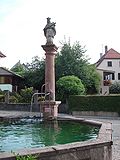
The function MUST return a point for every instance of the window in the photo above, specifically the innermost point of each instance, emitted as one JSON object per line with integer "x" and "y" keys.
{"x": 118, "y": 76}
{"x": 109, "y": 63}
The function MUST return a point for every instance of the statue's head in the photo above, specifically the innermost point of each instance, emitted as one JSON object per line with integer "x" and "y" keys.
{"x": 48, "y": 20}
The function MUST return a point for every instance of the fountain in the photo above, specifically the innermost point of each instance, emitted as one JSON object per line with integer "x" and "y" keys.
{"x": 50, "y": 106}
{"x": 98, "y": 148}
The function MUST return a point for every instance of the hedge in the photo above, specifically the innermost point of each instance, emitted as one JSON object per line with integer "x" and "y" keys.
{"x": 94, "y": 103}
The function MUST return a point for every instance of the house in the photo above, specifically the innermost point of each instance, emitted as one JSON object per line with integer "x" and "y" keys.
{"x": 9, "y": 80}
{"x": 108, "y": 66}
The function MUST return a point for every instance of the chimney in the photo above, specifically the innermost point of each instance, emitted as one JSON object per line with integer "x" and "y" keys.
{"x": 101, "y": 55}
{"x": 106, "y": 49}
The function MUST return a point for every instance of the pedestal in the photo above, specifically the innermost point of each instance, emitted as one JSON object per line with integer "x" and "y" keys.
{"x": 49, "y": 109}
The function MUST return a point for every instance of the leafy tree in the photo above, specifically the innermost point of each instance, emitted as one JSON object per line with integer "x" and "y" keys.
{"x": 115, "y": 88}
{"x": 35, "y": 76}
{"x": 19, "y": 68}
{"x": 69, "y": 85}
{"x": 71, "y": 60}
{"x": 35, "y": 64}
{"x": 91, "y": 79}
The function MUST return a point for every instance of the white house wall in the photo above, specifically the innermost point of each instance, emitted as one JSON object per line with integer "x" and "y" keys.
{"x": 115, "y": 67}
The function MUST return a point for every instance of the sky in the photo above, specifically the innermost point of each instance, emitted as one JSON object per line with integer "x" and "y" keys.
{"x": 94, "y": 23}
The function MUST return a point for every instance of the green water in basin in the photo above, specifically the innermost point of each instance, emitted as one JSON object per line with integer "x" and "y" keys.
{"x": 35, "y": 133}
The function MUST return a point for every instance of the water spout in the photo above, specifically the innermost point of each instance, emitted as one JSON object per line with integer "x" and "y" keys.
{"x": 41, "y": 94}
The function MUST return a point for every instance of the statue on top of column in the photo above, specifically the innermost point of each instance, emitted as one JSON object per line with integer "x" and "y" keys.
{"x": 49, "y": 31}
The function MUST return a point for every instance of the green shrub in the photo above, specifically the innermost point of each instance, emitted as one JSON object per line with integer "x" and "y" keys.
{"x": 2, "y": 97}
{"x": 13, "y": 99}
{"x": 42, "y": 98}
{"x": 69, "y": 85}
{"x": 94, "y": 103}
{"x": 115, "y": 88}
{"x": 26, "y": 95}
{"x": 27, "y": 157}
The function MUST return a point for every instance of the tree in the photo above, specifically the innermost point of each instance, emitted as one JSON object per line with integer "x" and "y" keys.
{"x": 71, "y": 60}
{"x": 91, "y": 79}
{"x": 35, "y": 64}
{"x": 19, "y": 68}
{"x": 36, "y": 74}
{"x": 69, "y": 85}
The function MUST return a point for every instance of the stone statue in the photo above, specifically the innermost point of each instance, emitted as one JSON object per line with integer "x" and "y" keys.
{"x": 49, "y": 31}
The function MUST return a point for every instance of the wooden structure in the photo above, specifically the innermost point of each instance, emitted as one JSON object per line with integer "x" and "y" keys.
{"x": 9, "y": 79}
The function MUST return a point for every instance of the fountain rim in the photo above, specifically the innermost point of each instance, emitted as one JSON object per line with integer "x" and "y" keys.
{"x": 104, "y": 138}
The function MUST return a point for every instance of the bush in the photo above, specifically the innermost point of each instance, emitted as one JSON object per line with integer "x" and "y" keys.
{"x": 13, "y": 99}
{"x": 24, "y": 96}
{"x": 2, "y": 98}
{"x": 27, "y": 157}
{"x": 115, "y": 88}
{"x": 94, "y": 103}
{"x": 69, "y": 85}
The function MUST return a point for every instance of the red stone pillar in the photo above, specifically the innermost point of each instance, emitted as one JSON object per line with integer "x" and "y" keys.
{"x": 50, "y": 52}
{"x": 50, "y": 106}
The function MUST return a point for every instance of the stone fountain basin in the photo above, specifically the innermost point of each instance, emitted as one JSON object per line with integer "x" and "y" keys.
{"x": 94, "y": 149}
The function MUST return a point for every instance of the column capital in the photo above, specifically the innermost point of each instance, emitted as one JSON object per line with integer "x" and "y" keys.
{"x": 50, "y": 48}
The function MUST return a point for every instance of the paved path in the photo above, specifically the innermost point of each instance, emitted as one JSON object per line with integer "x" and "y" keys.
{"x": 115, "y": 127}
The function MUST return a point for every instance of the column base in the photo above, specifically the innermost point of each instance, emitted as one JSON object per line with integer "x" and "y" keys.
{"x": 49, "y": 109}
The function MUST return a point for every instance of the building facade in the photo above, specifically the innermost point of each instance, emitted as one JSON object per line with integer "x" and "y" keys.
{"x": 9, "y": 80}
{"x": 108, "y": 66}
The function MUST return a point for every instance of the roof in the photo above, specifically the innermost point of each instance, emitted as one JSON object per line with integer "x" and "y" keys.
{"x": 6, "y": 72}
{"x": 18, "y": 64}
{"x": 110, "y": 54}
{"x": 2, "y": 55}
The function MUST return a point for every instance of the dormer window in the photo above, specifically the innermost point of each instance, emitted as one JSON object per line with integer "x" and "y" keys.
{"x": 109, "y": 63}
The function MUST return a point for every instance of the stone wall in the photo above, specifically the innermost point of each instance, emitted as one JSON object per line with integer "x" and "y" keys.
{"x": 19, "y": 107}
{"x": 63, "y": 108}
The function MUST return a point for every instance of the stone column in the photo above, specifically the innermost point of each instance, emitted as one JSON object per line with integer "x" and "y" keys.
{"x": 50, "y": 106}
{"x": 50, "y": 52}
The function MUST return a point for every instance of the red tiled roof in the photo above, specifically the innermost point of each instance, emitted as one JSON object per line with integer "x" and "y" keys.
{"x": 2, "y": 55}
{"x": 110, "y": 54}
